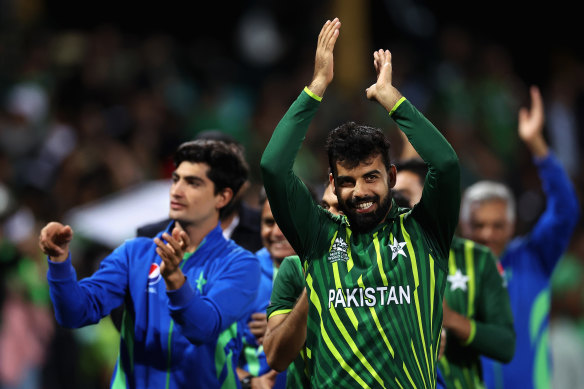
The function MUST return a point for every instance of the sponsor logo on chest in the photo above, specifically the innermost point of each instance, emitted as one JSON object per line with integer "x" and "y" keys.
{"x": 154, "y": 277}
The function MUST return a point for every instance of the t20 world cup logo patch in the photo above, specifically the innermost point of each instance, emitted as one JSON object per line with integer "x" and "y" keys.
{"x": 153, "y": 277}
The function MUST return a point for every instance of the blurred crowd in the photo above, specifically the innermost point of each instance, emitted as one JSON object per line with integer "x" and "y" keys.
{"x": 88, "y": 113}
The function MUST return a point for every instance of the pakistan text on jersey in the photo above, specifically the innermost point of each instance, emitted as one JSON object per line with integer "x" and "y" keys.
{"x": 369, "y": 297}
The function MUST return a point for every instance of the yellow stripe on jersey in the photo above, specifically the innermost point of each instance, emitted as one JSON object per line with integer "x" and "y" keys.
{"x": 417, "y": 362}
{"x": 350, "y": 262}
{"x": 414, "y": 260}
{"x": 377, "y": 322}
{"x": 437, "y": 351}
{"x": 379, "y": 259}
{"x": 332, "y": 241}
{"x": 470, "y": 272}
{"x": 445, "y": 366}
{"x": 354, "y": 347}
{"x": 338, "y": 285}
{"x": 432, "y": 286}
{"x": 397, "y": 382}
{"x": 408, "y": 374}
{"x": 451, "y": 263}
{"x": 280, "y": 312}
{"x": 315, "y": 301}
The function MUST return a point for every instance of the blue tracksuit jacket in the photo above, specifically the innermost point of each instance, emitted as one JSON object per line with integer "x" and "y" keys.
{"x": 190, "y": 337}
{"x": 528, "y": 263}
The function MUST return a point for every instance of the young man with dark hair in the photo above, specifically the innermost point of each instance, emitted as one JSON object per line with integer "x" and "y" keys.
{"x": 185, "y": 291}
{"x": 477, "y": 311}
{"x": 239, "y": 221}
{"x": 375, "y": 276}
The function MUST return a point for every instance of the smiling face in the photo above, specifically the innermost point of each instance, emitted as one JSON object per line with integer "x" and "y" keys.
{"x": 364, "y": 192}
{"x": 193, "y": 200}
{"x": 272, "y": 237}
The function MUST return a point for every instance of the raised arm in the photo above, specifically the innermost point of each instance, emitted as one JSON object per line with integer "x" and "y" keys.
{"x": 553, "y": 230}
{"x": 291, "y": 202}
{"x": 439, "y": 207}
{"x": 85, "y": 302}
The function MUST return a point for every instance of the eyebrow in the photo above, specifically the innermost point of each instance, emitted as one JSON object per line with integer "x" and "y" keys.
{"x": 346, "y": 178}
{"x": 189, "y": 178}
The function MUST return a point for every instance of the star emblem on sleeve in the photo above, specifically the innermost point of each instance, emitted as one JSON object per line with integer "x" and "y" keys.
{"x": 397, "y": 248}
{"x": 457, "y": 281}
{"x": 201, "y": 282}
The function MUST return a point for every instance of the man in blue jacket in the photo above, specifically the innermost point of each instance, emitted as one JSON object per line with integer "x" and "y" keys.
{"x": 487, "y": 216}
{"x": 185, "y": 291}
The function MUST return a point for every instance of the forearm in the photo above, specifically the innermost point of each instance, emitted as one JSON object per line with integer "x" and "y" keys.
{"x": 425, "y": 138}
{"x": 77, "y": 304}
{"x": 439, "y": 207}
{"x": 560, "y": 194}
{"x": 458, "y": 325}
{"x": 204, "y": 316}
{"x": 198, "y": 317}
{"x": 283, "y": 343}
{"x": 290, "y": 200}
{"x": 495, "y": 341}
{"x": 538, "y": 147}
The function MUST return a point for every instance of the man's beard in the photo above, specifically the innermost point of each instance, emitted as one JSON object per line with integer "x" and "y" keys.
{"x": 365, "y": 222}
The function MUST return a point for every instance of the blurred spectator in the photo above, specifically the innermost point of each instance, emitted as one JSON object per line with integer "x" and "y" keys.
{"x": 567, "y": 316}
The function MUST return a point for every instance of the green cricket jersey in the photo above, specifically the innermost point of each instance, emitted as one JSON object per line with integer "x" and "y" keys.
{"x": 375, "y": 298}
{"x": 476, "y": 289}
{"x": 288, "y": 286}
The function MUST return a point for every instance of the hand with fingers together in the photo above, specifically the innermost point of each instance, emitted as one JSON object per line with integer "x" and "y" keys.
{"x": 172, "y": 253}
{"x": 324, "y": 59}
{"x": 383, "y": 90}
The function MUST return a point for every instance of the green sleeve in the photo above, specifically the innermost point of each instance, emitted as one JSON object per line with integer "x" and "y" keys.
{"x": 438, "y": 209}
{"x": 288, "y": 286}
{"x": 494, "y": 334}
{"x": 294, "y": 209}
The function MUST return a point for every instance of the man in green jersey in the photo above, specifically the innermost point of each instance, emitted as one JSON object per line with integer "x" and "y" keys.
{"x": 284, "y": 341}
{"x": 477, "y": 310}
{"x": 375, "y": 276}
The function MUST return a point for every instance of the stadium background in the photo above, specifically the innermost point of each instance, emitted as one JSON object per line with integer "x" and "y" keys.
{"x": 95, "y": 96}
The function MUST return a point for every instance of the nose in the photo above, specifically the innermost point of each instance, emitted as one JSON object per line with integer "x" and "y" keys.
{"x": 176, "y": 189}
{"x": 486, "y": 234}
{"x": 360, "y": 190}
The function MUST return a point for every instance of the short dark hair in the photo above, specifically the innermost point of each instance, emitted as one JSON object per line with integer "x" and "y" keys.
{"x": 351, "y": 144}
{"x": 227, "y": 165}
{"x": 414, "y": 165}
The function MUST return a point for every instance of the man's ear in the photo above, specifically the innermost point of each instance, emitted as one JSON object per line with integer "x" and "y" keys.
{"x": 392, "y": 175}
{"x": 332, "y": 182}
{"x": 223, "y": 197}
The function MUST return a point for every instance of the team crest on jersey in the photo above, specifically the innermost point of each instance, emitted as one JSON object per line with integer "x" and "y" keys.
{"x": 338, "y": 251}
{"x": 397, "y": 248}
{"x": 154, "y": 277}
